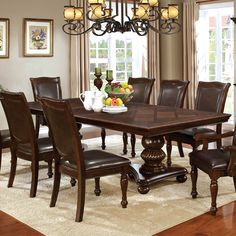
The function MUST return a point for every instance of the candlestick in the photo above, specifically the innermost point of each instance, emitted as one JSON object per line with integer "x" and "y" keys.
{"x": 98, "y": 71}
{"x": 98, "y": 81}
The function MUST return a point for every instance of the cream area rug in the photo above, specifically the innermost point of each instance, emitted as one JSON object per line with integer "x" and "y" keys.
{"x": 168, "y": 203}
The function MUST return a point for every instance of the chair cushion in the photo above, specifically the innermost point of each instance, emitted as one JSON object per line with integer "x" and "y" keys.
{"x": 44, "y": 146}
{"x": 96, "y": 159}
{"x": 208, "y": 160}
{"x": 192, "y": 131}
{"x": 5, "y": 136}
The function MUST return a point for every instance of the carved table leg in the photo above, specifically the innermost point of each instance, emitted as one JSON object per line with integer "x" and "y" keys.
{"x": 153, "y": 169}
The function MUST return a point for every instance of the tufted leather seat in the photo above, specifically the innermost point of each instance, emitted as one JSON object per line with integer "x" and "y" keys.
{"x": 211, "y": 96}
{"x": 73, "y": 161}
{"x": 5, "y": 142}
{"x": 24, "y": 144}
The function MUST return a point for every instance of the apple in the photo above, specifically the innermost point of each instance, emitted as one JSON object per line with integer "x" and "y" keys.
{"x": 114, "y": 102}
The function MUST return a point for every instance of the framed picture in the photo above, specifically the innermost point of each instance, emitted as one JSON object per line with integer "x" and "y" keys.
{"x": 4, "y": 37}
{"x": 38, "y": 37}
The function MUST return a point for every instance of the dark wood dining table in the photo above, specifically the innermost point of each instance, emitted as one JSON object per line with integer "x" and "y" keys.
{"x": 152, "y": 123}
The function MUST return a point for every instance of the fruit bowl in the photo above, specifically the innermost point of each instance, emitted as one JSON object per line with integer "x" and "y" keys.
{"x": 125, "y": 97}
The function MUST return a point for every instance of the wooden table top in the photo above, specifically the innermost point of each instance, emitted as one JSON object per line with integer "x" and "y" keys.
{"x": 146, "y": 120}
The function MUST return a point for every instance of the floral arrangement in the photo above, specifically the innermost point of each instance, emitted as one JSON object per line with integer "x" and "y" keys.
{"x": 38, "y": 38}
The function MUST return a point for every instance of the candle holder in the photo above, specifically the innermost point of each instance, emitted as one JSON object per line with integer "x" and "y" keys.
{"x": 109, "y": 80}
{"x": 98, "y": 81}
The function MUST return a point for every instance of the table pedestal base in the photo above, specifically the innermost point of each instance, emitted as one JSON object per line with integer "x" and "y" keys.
{"x": 144, "y": 181}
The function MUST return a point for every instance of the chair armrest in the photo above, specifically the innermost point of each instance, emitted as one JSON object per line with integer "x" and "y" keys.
{"x": 210, "y": 136}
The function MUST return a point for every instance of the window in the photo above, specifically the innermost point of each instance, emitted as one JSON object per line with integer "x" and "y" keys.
{"x": 125, "y": 54}
{"x": 215, "y": 41}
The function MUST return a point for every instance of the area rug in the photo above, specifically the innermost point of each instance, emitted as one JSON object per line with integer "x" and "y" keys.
{"x": 168, "y": 203}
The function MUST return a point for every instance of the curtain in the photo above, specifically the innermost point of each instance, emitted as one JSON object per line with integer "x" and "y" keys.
{"x": 190, "y": 13}
{"x": 79, "y": 61}
{"x": 153, "y": 61}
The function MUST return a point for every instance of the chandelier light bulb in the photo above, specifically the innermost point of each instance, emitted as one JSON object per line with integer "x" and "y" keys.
{"x": 78, "y": 13}
{"x": 173, "y": 11}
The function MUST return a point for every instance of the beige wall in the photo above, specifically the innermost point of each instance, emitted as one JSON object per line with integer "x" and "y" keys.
{"x": 16, "y": 71}
{"x": 171, "y": 51}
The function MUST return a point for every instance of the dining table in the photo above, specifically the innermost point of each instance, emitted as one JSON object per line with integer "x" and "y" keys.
{"x": 152, "y": 123}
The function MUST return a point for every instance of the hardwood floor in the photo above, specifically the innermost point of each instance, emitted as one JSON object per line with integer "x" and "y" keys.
{"x": 205, "y": 225}
{"x": 9, "y": 226}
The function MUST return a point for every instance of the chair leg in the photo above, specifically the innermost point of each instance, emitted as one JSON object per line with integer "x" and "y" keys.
{"x": 133, "y": 141}
{"x": 97, "y": 189}
{"x": 103, "y": 136}
{"x": 125, "y": 141}
{"x": 214, "y": 191}
{"x": 180, "y": 147}
{"x": 50, "y": 173}
{"x": 34, "y": 181}
{"x": 56, "y": 184}
{"x": 124, "y": 186}
{"x": 194, "y": 175}
{"x": 234, "y": 178}
{"x": 13, "y": 169}
{"x": 37, "y": 125}
{"x": 168, "y": 150}
{"x": 80, "y": 200}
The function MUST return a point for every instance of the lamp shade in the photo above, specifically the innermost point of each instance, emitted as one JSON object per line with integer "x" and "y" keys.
{"x": 78, "y": 13}
{"x": 143, "y": 11}
{"x": 69, "y": 13}
{"x": 173, "y": 11}
{"x": 96, "y": 11}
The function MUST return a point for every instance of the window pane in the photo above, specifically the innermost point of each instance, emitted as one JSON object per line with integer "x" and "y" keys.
{"x": 93, "y": 53}
{"x": 102, "y": 53}
{"x": 129, "y": 53}
{"x": 212, "y": 69}
{"x": 212, "y": 57}
{"x": 120, "y": 44}
{"x": 92, "y": 67}
{"x": 129, "y": 66}
{"x": 120, "y": 76}
{"x": 120, "y": 54}
{"x": 102, "y": 44}
{"x": 120, "y": 66}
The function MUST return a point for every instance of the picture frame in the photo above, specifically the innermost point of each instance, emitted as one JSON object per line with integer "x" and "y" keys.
{"x": 38, "y": 37}
{"x": 4, "y": 37}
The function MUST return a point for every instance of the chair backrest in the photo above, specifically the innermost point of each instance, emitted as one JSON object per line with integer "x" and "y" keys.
{"x": 63, "y": 130}
{"x": 19, "y": 118}
{"x": 211, "y": 96}
{"x": 172, "y": 93}
{"x": 46, "y": 87}
{"x": 142, "y": 89}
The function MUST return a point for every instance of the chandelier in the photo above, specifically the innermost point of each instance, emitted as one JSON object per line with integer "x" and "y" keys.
{"x": 117, "y": 16}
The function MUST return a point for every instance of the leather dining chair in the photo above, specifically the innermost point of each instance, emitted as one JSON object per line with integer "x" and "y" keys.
{"x": 24, "y": 143}
{"x": 5, "y": 142}
{"x": 73, "y": 161}
{"x": 142, "y": 91}
{"x": 211, "y": 97}
{"x": 172, "y": 93}
{"x": 45, "y": 87}
{"x": 216, "y": 163}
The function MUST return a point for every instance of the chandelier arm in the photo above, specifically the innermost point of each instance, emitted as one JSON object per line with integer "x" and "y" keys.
{"x": 74, "y": 30}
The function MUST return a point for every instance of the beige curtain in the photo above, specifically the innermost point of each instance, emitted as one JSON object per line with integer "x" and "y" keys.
{"x": 154, "y": 61}
{"x": 79, "y": 61}
{"x": 190, "y": 13}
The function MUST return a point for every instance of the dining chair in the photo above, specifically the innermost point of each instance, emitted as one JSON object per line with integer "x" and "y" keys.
{"x": 24, "y": 143}
{"x": 45, "y": 87}
{"x": 5, "y": 142}
{"x": 142, "y": 91}
{"x": 73, "y": 161}
{"x": 216, "y": 163}
{"x": 211, "y": 97}
{"x": 172, "y": 93}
